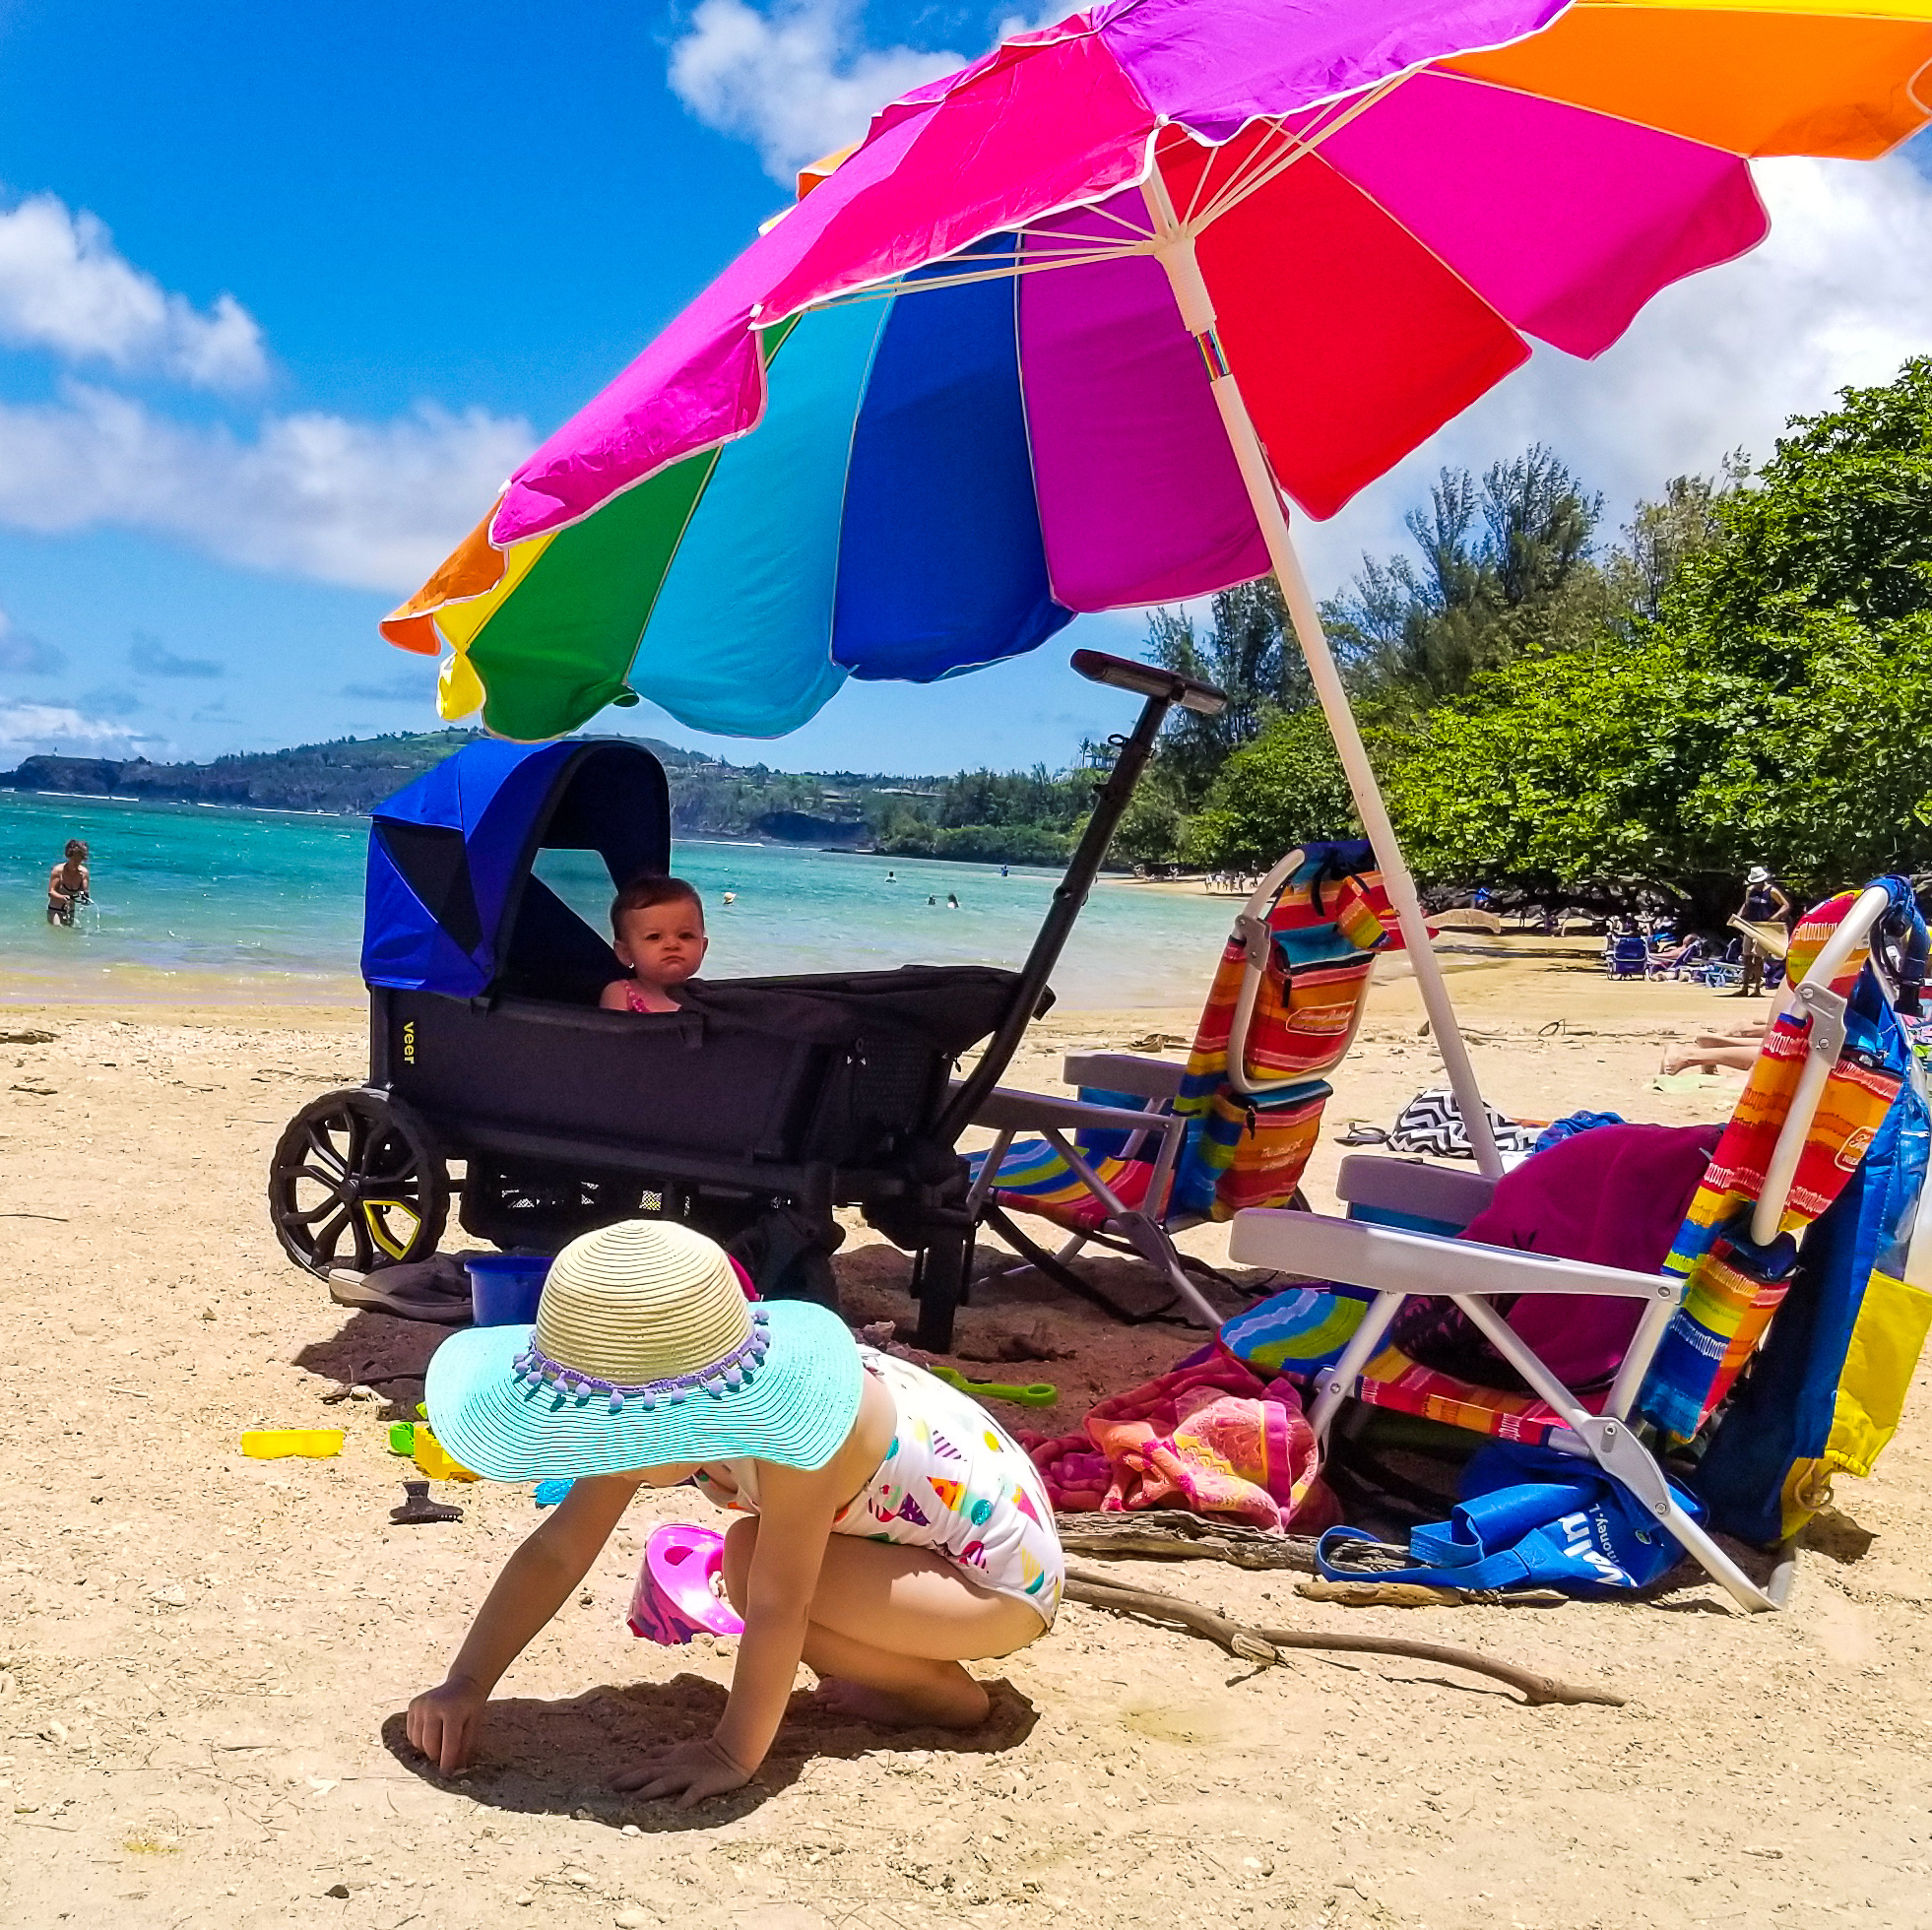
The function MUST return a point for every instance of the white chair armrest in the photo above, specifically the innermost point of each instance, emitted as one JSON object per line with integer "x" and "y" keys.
{"x": 1008, "y": 1110}
{"x": 1386, "y": 1260}
{"x": 1393, "y": 1185}
{"x": 1120, "y": 1072}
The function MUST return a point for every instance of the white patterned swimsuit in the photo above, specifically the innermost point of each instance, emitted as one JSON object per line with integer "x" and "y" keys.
{"x": 954, "y": 1481}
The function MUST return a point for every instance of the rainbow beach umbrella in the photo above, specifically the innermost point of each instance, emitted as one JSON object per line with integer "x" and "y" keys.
{"x": 1071, "y": 328}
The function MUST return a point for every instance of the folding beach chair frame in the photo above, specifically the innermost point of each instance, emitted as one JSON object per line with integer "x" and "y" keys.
{"x": 1138, "y": 1230}
{"x": 1143, "y": 1230}
{"x": 1395, "y": 1263}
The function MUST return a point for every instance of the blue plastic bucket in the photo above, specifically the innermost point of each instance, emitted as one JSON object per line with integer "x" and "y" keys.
{"x": 504, "y": 1288}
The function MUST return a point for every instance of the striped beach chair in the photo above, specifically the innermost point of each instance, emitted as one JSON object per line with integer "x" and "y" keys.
{"x": 1792, "y": 1273}
{"x": 1150, "y": 1146}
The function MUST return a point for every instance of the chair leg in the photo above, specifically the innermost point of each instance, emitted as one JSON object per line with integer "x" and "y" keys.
{"x": 1049, "y": 1264}
{"x": 1628, "y": 1462}
{"x": 1616, "y": 1449}
{"x": 1154, "y": 1246}
{"x": 1338, "y": 1382}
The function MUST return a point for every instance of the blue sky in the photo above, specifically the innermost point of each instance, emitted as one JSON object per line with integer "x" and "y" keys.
{"x": 285, "y": 293}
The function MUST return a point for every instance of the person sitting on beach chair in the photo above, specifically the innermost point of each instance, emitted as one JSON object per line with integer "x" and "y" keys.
{"x": 1673, "y": 961}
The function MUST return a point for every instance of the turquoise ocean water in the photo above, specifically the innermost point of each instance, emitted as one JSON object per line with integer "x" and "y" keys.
{"x": 201, "y": 906}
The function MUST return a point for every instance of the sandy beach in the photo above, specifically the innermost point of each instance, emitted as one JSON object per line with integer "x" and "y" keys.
{"x": 204, "y": 1659}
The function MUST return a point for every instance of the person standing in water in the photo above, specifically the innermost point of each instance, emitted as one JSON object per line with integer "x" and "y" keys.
{"x": 67, "y": 884}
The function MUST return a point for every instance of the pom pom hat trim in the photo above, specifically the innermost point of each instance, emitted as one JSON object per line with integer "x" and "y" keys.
{"x": 645, "y": 1354}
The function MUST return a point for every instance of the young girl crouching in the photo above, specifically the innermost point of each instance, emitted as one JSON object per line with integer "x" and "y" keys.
{"x": 891, "y": 1530}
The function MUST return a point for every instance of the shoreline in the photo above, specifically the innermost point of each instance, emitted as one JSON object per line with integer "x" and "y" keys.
{"x": 152, "y": 992}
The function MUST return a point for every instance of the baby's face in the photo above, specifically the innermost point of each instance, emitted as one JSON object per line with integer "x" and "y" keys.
{"x": 663, "y": 944}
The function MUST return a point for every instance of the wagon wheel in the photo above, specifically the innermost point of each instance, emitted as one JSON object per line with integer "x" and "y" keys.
{"x": 355, "y": 1182}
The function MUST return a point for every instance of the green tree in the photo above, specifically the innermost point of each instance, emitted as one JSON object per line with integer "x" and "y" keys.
{"x": 1504, "y": 563}
{"x": 1661, "y": 537}
{"x": 1154, "y": 827}
{"x": 1772, "y": 712}
{"x": 1250, "y": 652}
{"x": 1273, "y": 793}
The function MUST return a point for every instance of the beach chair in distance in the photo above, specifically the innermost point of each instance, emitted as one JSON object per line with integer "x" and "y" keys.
{"x": 1627, "y": 956}
{"x": 1149, "y": 1147}
{"x": 1816, "y": 1186}
{"x": 1675, "y": 961}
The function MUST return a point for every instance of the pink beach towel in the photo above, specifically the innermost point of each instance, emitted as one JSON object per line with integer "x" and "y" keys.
{"x": 1209, "y": 1438}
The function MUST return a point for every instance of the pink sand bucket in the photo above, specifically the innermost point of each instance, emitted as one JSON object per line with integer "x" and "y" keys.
{"x": 679, "y": 1587}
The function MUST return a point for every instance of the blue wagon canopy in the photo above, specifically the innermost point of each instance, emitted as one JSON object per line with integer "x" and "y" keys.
{"x": 451, "y": 905}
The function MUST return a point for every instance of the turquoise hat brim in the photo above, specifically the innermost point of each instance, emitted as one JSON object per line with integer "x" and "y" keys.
{"x": 796, "y": 1410}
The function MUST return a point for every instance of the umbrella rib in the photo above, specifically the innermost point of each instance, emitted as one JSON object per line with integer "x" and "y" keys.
{"x": 1016, "y": 265}
{"x": 1106, "y": 213}
{"x": 1268, "y": 162}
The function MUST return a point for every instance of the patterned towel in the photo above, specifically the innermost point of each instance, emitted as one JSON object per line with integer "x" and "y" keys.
{"x": 1210, "y": 1438}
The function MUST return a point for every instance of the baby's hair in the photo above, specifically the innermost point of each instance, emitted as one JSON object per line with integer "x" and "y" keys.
{"x": 647, "y": 889}
{"x": 76, "y": 849}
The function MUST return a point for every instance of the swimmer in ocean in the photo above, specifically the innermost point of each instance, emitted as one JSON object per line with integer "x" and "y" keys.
{"x": 67, "y": 884}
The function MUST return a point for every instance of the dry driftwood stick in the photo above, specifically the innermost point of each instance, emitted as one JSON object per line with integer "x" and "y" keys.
{"x": 1253, "y": 1645}
{"x": 1175, "y": 1534}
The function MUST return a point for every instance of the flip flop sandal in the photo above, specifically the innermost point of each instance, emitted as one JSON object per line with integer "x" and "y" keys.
{"x": 1358, "y": 1135}
{"x": 365, "y": 1293}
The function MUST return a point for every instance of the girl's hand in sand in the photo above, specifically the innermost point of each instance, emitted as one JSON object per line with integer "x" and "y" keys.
{"x": 442, "y": 1723}
{"x": 691, "y": 1771}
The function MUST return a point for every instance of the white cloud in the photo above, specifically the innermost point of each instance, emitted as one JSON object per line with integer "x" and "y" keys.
{"x": 65, "y": 287}
{"x": 28, "y": 727}
{"x": 376, "y": 505}
{"x": 1839, "y": 294}
{"x": 797, "y": 81}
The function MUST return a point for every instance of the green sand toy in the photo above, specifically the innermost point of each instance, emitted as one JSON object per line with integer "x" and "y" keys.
{"x": 1042, "y": 1394}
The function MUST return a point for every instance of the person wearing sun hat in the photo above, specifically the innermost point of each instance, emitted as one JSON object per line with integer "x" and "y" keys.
{"x": 889, "y": 1529}
{"x": 1766, "y": 909}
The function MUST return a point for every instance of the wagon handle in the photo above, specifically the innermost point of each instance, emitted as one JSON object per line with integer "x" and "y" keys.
{"x": 1163, "y": 690}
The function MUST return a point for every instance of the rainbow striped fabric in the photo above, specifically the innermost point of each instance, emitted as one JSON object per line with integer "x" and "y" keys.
{"x": 1299, "y": 1332}
{"x": 1326, "y": 927}
{"x": 1327, "y": 921}
{"x": 1733, "y": 1287}
{"x": 1034, "y": 1178}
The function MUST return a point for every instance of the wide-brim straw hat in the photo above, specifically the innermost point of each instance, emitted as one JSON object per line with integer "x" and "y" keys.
{"x": 645, "y": 1353}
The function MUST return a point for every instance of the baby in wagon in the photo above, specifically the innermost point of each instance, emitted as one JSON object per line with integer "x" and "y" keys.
{"x": 659, "y": 927}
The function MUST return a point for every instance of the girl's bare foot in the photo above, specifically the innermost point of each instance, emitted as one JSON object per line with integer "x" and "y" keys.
{"x": 951, "y": 1699}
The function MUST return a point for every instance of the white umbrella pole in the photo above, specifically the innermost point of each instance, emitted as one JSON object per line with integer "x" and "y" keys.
{"x": 1175, "y": 249}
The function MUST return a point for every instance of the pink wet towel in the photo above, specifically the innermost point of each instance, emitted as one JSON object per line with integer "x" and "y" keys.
{"x": 1209, "y": 1438}
{"x": 1614, "y": 1196}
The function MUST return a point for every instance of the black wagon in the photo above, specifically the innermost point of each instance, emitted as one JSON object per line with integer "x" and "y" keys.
{"x": 750, "y": 1112}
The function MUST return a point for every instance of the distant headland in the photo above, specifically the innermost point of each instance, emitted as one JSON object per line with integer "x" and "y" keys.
{"x": 351, "y": 775}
